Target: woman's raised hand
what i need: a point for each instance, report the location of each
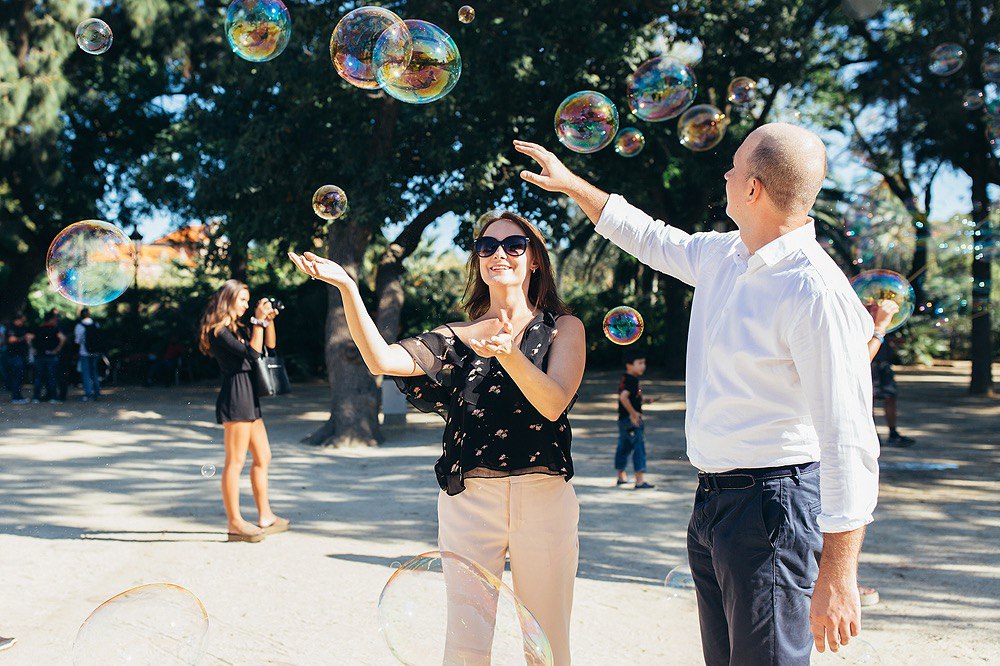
(501, 344)
(555, 177)
(321, 268)
(263, 309)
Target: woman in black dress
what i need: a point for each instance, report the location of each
(504, 383)
(223, 337)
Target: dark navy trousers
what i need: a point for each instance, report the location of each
(754, 556)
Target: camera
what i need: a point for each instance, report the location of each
(276, 304)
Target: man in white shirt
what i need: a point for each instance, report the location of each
(777, 379)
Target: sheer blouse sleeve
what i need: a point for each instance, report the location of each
(435, 354)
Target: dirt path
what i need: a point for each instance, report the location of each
(100, 497)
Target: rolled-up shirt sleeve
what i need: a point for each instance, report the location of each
(828, 343)
(658, 245)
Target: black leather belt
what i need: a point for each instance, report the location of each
(741, 479)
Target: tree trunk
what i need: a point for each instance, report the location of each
(354, 394)
(981, 382)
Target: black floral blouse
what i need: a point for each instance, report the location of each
(491, 429)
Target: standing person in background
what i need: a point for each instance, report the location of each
(884, 378)
(48, 343)
(65, 358)
(631, 426)
(15, 357)
(92, 342)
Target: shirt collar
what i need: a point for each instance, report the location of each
(780, 247)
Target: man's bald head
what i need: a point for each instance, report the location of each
(790, 162)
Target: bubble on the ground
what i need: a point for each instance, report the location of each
(857, 651)
(679, 583)
(329, 202)
(991, 67)
(208, 471)
(875, 286)
(702, 127)
(629, 142)
(440, 607)
(94, 36)
(661, 88)
(159, 623)
(623, 325)
(860, 10)
(586, 121)
(972, 99)
(91, 262)
(258, 30)
(466, 14)
(420, 69)
(742, 90)
(352, 45)
(946, 59)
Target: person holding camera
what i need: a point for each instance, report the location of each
(234, 346)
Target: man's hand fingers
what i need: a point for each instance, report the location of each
(533, 178)
(819, 633)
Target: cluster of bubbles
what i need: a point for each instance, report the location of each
(629, 142)
(947, 59)
(586, 121)
(875, 286)
(623, 325)
(150, 624)
(442, 608)
(258, 30)
(329, 202)
(94, 36)
(413, 61)
(91, 262)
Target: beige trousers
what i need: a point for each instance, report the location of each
(533, 517)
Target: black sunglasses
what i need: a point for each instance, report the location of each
(513, 246)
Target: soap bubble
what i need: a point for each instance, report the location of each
(91, 262)
(679, 583)
(946, 59)
(258, 30)
(661, 88)
(352, 45)
(972, 99)
(94, 36)
(586, 121)
(466, 14)
(860, 10)
(629, 142)
(420, 68)
(329, 202)
(623, 325)
(991, 67)
(208, 471)
(702, 127)
(878, 285)
(150, 624)
(857, 651)
(442, 608)
(741, 90)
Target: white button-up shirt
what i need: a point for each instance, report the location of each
(777, 358)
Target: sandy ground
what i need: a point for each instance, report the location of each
(102, 497)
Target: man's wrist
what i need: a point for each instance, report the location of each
(263, 323)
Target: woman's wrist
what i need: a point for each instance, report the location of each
(263, 323)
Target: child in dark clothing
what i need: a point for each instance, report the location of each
(631, 428)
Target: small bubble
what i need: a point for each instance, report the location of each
(208, 471)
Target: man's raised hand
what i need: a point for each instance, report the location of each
(555, 177)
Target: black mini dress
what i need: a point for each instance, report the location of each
(491, 430)
(237, 399)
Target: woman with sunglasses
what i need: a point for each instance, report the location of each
(504, 383)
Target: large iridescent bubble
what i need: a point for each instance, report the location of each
(872, 287)
(741, 90)
(629, 142)
(329, 202)
(586, 121)
(151, 624)
(418, 70)
(946, 59)
(352, 45)
(258, 30)
(91, 262)
(623, 325)
(661, 88)
(94, 36)
(442, 608)
(702, 127)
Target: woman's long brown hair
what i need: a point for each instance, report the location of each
(220, 313)
(542, 291)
